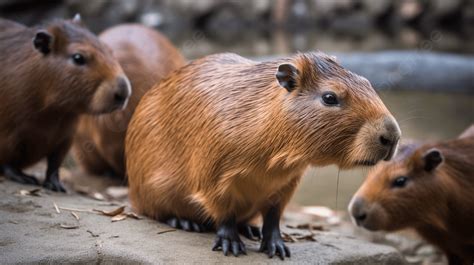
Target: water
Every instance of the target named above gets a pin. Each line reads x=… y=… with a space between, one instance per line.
x=421 y=115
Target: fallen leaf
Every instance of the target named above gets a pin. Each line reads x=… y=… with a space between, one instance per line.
x=66 y=226
x=119 y=217
x=166 y=231
x=113 y=212
x=133 y=215
x=295 y=237
x=307 y=226
x=75 y=215
x=98 y=196
x=56 y=207
x=288 y=238
x=77 y=210
x=33 y=192
x=92 y=233
x=117 y=193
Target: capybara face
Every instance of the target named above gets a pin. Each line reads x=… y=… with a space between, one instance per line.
x=90 y=79
x=347 y=123
x=400 y=193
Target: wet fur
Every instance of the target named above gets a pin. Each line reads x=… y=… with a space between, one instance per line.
x=438 y=205
x=41 y=95
x=221 y=138
x=146 y=57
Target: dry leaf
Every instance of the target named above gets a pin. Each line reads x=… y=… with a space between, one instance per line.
x=288 y=238
x=77 y=210
x=119 y=217
x=307 y=226
x=166 y=231
x=66 y=226
x=113 y=212
x=98 y=196
x=133 y=215
x=75 y=215
x=33 y=192
x=295 y=237
x=92 y=233
x=56 y=207
x=117 y=193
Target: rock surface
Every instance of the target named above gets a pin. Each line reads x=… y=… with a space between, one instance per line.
x=32 y=231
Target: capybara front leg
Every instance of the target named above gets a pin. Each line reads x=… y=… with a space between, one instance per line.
x=272 y=243
x=228 y=239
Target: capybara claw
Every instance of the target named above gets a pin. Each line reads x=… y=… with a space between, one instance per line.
x=251 y=232
x=54 y=185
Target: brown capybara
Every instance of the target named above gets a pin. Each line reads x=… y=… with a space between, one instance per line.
x=224 y=139
x=50 y=75
x=146 y=57
x=429 y=188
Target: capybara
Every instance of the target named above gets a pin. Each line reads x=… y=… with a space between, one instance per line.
x=50 y=75
x=146 y=57
x=429 y=188
x=224 y=139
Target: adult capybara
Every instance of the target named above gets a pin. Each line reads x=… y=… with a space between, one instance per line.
x=50 y=75
x=427 y=187
x=224 y=139
x=146 y=57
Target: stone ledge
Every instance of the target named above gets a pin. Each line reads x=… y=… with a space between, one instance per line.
x=31 y=232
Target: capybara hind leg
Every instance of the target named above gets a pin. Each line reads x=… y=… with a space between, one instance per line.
x=89 y=158
x=189 y=225
x=228 y=238
x=55 y=159
x=18 y=176
x=250 y=231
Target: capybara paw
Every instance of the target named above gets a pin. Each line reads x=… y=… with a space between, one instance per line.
x=54 y=185
x=251 y=232
x=19 y=176
x=186 y=225
x=25 y=179
x=273 y=245
x=228 y=239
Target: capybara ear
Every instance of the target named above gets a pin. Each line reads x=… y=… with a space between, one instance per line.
x=43 y=42
x=77 y=20
x=287 y=75
x=432 y=158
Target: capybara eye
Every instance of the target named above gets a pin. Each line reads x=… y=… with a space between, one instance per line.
x=330 y=99
x=78 y=59
x=399 y=182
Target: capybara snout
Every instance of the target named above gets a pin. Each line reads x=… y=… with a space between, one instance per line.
x=111 y=95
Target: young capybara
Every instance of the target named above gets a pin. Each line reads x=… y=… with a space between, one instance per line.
x=224 y=139
x=146 y=57
x=427 y=187
x=50 y=75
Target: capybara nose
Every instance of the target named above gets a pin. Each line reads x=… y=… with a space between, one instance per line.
x=123 y=91
x=358 y=210
x=390 y=136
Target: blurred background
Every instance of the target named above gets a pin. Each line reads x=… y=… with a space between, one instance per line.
x=417 y=53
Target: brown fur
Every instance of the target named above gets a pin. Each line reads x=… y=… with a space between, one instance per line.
x=220 y=137
x=43 y=94
x=146 y=57
x=438 y=204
